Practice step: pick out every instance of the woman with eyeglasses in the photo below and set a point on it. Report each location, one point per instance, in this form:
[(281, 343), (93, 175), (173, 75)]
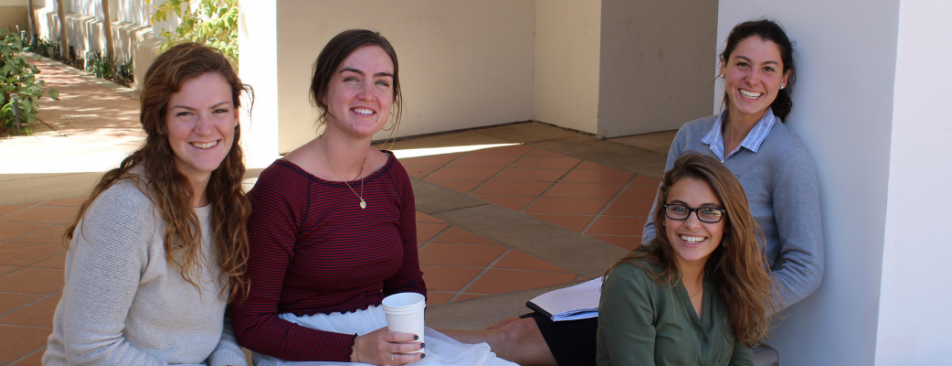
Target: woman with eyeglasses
[(700, 292), (765, 155)]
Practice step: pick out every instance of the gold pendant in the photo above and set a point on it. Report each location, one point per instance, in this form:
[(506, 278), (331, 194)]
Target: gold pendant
[(363, 204)]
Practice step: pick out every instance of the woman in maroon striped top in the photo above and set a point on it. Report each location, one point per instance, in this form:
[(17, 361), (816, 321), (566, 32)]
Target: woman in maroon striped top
[(333, 230)]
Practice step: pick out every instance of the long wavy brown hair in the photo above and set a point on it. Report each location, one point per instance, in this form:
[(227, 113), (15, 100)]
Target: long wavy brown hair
[(169, 190), (738, 266)]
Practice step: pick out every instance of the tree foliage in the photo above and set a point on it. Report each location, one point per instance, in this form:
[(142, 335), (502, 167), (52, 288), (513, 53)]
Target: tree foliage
[(211, 22), (17, 76)]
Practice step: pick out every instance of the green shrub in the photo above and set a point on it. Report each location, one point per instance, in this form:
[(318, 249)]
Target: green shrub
[(109, 70), (210, 22), (47, 47), (17, 76)]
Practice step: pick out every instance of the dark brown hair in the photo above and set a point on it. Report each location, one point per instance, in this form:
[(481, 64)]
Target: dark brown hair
[(169, 190), (335, 52), (738, 266), (769, 31)]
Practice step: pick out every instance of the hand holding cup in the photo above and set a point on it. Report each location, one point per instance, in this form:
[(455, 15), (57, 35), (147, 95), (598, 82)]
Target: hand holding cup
[(383, 347), (405, 313)]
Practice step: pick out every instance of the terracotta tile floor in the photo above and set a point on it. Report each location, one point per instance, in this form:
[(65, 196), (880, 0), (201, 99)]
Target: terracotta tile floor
[(592, 199), (460, 265), (595, 200), (31, 276)]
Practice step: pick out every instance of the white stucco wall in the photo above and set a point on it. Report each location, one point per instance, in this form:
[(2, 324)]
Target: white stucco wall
[(567, 37), (134, 11), (914, 320), (462, 64), (654, 64), (13, 13), (94, 7), (843, 113), (258, 57)]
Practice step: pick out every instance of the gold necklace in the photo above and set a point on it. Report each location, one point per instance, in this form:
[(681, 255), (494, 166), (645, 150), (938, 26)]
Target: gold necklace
[(696, 292), (363, 204)]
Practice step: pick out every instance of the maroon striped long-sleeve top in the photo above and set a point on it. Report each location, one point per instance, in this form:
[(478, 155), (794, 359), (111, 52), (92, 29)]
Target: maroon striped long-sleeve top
[(314, 250)]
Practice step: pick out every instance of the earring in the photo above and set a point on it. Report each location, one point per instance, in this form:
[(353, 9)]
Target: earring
[(782, 86), (391, 126)]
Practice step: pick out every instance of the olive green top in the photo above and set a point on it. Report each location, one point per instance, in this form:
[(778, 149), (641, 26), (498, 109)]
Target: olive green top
[(641, 322)]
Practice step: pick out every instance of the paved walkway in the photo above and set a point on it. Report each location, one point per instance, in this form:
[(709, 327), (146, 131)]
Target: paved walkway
[(516, 210)]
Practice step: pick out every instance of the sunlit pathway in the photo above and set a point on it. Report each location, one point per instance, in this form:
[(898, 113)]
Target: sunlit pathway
[(89, 129)]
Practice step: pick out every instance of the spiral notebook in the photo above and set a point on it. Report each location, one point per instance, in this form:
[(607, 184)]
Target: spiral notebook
[(570, 303)]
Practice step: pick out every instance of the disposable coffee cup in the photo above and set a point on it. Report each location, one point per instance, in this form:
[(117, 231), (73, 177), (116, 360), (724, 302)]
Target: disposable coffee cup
[(405, 313)]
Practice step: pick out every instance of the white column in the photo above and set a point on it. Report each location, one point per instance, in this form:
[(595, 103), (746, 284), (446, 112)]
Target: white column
[(914, 317), (258, 66), (653, 58), (567, 44)]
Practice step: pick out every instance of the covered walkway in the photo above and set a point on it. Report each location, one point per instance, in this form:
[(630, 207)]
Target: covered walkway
[(504, 213)]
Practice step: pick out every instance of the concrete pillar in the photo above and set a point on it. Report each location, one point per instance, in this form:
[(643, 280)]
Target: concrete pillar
[(868, 107), (655, 61), (567, 36), (914, 320), (258, 66)]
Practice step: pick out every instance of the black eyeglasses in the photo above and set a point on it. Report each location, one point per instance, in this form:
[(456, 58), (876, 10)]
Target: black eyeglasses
[(711, 215)]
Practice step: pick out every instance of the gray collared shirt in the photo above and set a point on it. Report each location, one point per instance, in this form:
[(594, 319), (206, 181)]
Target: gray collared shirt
[(756, 136)]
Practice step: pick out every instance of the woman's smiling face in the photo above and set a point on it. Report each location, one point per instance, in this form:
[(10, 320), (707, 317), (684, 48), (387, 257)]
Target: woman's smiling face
[(201, 120), (752, 77), (693, 240), (360, 92)]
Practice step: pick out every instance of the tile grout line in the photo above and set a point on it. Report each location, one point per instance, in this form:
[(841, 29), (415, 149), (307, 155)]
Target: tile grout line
[(521, 212), (618, 235), (448, 226), (480, 274), (21, 307), (11, 213), (31, 293), (471, 244), (528, 143), (28, 233), (461, 208), (523, 156), (565, 214), (48, 225), (43, 348), (444, 165), (557, 181), (607, 205), (27, 326), (501, 269), (28, 265)]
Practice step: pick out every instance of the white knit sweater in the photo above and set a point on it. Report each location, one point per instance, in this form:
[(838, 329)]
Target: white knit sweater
[(124, 304)]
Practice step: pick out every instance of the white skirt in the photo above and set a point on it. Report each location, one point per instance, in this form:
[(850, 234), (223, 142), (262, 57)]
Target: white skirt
[(441, 350)]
